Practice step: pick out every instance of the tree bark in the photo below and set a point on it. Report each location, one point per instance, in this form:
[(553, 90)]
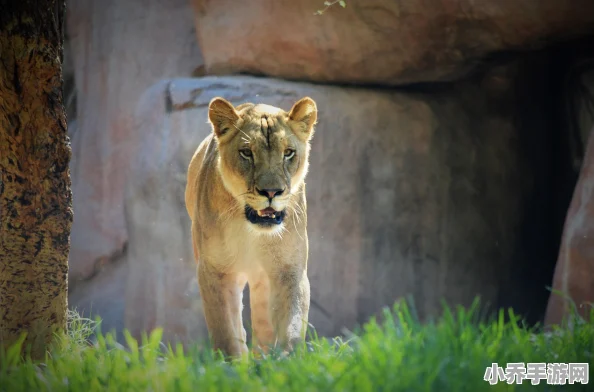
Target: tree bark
[(35, 195)]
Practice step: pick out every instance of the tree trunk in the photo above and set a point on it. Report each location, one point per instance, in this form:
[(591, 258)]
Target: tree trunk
[(35, 195)]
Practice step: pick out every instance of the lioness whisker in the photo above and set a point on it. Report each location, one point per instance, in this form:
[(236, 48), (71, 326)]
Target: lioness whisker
[(296, 214), (280, 233), (228, 214), (295, 225), (297, 209), (245, 134)]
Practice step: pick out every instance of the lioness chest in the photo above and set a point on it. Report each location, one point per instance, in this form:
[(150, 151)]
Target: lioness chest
[(239, 249)]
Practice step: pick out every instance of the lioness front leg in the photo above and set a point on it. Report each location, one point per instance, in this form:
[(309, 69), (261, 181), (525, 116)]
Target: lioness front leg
[(263, 333), (221, 298), (289, 305)]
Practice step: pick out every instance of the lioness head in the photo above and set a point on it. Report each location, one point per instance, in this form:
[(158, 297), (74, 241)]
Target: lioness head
[(263, 155)]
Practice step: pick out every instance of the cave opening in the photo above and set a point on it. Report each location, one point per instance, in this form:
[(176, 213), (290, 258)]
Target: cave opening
[(555, 90)]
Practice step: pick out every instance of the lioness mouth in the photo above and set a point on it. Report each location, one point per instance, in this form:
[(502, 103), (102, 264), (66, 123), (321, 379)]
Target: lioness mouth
[(266, 217)]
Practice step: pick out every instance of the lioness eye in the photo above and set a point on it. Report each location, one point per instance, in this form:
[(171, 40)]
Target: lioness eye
[(246, 153), (289, 153)]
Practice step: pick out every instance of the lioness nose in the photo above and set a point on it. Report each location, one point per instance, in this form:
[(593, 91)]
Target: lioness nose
[(270, 193)]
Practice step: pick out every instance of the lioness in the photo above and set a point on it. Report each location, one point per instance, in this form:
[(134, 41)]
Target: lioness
[(246, 198)]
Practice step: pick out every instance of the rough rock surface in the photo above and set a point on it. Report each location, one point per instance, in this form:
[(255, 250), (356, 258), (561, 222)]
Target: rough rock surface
[(119, 49), (161, 286), (377, 41), (419, 194), (574, 273)]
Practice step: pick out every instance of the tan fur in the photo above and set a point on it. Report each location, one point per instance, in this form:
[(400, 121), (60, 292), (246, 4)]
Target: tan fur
[(229, 249)]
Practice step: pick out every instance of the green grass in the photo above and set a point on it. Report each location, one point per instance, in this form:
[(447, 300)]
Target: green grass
[(398, 354)]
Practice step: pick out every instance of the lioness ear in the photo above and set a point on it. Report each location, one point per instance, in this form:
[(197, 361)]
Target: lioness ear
[(304, 115), (222, 116)]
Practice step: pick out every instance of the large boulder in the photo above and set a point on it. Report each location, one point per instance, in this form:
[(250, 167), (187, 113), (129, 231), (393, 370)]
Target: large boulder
[(419, 194), (573, 281), (118, 49), (161, 285), (377, 41)]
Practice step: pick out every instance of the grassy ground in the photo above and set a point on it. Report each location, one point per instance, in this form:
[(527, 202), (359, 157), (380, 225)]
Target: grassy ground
[(399, 354)]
